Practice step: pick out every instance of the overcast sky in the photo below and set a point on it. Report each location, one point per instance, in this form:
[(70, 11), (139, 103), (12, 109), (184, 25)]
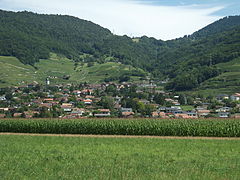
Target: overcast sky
[(162, 19)]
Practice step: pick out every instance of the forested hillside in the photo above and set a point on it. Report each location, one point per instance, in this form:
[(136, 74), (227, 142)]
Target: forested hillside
[(30, 37), (195, 61), (187, 61), (225, 24)]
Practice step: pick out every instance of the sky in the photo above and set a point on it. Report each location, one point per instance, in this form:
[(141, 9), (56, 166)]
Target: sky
[(162, 19)]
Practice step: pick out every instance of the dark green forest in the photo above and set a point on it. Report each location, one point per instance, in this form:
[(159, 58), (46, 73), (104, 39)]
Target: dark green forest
[(187, 61)]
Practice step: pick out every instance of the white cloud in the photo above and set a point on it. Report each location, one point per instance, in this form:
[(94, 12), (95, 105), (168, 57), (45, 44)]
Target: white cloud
[(126, 16)]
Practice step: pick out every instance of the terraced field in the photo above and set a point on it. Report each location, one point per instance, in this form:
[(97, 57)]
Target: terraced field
[(13, 72), (228, 82)]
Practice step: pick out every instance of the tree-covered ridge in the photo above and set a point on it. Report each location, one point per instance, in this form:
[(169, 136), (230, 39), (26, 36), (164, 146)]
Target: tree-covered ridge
[(224, 24), (186, 61), (30, 37)]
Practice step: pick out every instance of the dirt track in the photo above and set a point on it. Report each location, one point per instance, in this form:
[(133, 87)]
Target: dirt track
[(123, 136)]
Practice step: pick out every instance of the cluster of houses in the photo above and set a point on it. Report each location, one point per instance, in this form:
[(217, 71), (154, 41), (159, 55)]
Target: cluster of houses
[(199, 112), (66, 101)]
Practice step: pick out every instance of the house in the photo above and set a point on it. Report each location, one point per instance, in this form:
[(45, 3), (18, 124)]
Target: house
[(77, 92), (67, 107), (87, 91), (182, 115), (95, 86), (203, 113), (48, 100), (4, 109), (117, 106), (37, 101), (47, 105), (205, 105), (169, 100), (223, 114), (139, 91), (163, 115), (67, 104), (102, 113), (3, 98), (127, 112), (50, 96), (237, 115), (224, 109), (87, 101), (30, 114), (176, 107), (162, 109), (192, 114), (197, 101), (117, 99), (2, 115), (176, 103), (178, 112), (171, 109), (160, 114), (77, 112), (155, 114), (68, 116), (200, 108), (17, 115), (235, 97), (221, 97), (89, 97)]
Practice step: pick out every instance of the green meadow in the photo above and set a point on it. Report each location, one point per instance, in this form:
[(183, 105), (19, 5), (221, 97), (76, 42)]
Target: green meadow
[(34, 157), (13, 72), (227, 82)]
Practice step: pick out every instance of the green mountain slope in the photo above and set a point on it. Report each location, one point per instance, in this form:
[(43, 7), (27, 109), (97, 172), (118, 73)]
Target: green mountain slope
[(189, 62), (30, 37), (224, 24), (13, 72), (195, 61), (227, 82)]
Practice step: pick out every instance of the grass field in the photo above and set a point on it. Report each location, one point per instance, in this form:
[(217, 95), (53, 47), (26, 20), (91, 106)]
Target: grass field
[(28, 157), (16, 73)]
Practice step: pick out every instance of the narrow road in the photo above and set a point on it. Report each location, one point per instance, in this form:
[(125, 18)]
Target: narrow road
[(123, 136)]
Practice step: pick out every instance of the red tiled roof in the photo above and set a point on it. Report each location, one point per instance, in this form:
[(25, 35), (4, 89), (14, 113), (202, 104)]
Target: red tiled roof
[(104, 110), (127, 113)]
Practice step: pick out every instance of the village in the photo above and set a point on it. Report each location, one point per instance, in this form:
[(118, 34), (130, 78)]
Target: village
[(123, 100)]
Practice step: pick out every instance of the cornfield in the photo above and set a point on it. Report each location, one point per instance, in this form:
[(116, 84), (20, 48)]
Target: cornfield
[(154, 127)]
